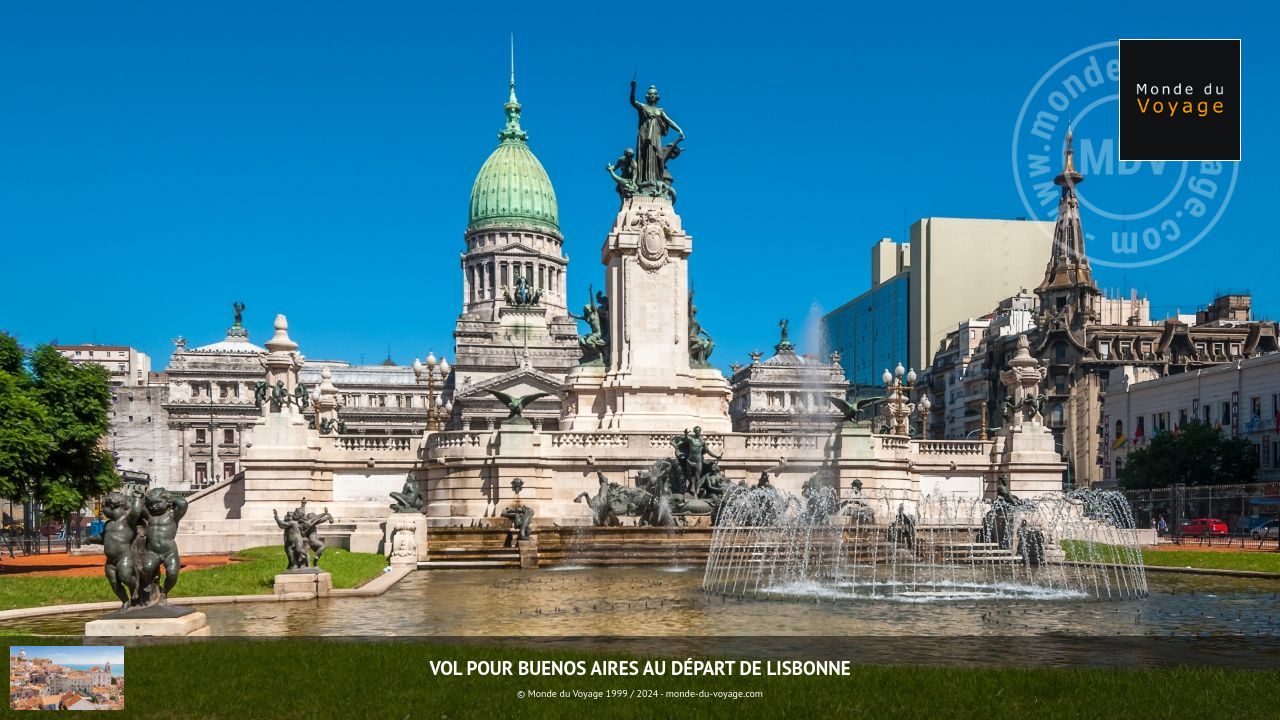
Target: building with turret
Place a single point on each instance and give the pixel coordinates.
(514, 333)
(1081, 335)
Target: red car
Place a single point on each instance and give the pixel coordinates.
(1204, 526)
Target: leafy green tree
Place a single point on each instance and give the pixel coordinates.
(25, 443)
(78, 401)
(53, 418)
(1196, 455)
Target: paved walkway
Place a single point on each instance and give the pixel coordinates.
(63, 564)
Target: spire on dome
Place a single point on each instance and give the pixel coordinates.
(513, 132)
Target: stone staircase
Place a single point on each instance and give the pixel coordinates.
(464, 548)
(469, 548)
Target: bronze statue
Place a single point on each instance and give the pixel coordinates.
(1002, 490)
(650, 175)
(602, 512)
(162, 511)
(123, 514)
(516, 405)
(623, 173)
(595, 344)
(850, 412)
(300, 535)
(238, 307)
(408, 499)
(523, 295)
(784, 324)
(700, 343)
(139, 541)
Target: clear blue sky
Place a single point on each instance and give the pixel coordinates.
(75, 654)
(161, 160)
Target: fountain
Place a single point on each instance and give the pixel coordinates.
(938, 546)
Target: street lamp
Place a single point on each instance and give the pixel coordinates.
(433, 370)
(925, 405)
(898, 393)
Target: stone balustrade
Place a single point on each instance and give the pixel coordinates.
(953, 447)
(378, 443)
(587, 439)
(783, 442)
(895, 442)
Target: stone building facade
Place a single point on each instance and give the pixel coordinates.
(1081, 336)
(787, 393)
(514, 333)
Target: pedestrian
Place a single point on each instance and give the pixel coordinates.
(1162, 527)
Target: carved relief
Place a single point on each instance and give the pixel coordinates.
(654, 232)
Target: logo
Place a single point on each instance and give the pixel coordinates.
(1135, 214)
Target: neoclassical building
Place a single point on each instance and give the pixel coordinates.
(513, 333)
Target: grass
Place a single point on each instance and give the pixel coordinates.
(1216, 560)
(242, 679)
(251, 575)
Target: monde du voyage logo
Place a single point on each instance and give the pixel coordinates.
(1158, 175)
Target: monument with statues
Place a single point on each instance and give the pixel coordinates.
(634, 436)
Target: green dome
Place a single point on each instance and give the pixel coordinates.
(512, 190)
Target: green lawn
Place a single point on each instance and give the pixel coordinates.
(243, 679)
(1256, 561)
(250, 576)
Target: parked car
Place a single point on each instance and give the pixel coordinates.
(1266, 530)
(1204, 526)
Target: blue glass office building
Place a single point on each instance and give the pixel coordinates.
(870, 331)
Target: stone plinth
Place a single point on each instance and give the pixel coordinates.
(648, 383)
(528, 553)
(311, 581)
(190, 623)
(368, 537)
(406, 538)
(1031, 460)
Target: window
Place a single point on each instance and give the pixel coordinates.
(228, 469)
(1055, 415)
(228, 436)
(1225, 417)
(1104, 350)
(202, 473)
(1060, 352)
(1200, 349)
(200, 435)
(1206, 413)
(1182, 417)
(1124, 347)
(1235, 349)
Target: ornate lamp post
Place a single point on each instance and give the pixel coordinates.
(433, 371)
(897, 408)
(925, 405)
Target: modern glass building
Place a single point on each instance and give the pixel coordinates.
(870, 331)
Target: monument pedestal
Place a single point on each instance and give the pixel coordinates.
(312, 581)
(1032, 461)
(649, 383)
(149, 622)
(406, 538)
(528, 553)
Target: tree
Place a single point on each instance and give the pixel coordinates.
(53, 417)
(1195, 455)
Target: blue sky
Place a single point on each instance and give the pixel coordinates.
(74, 654)
(161, 160)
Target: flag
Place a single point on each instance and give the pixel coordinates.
(1119, 443)
(1254, 422)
